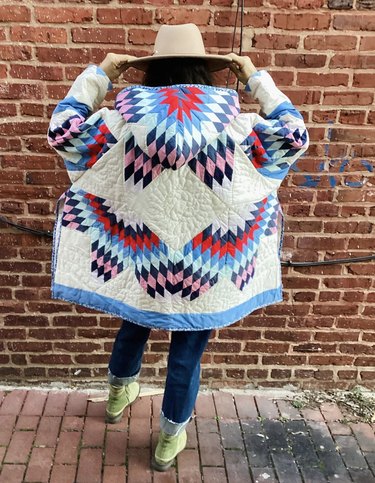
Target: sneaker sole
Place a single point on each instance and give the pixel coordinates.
(109, 419)
(161, 467)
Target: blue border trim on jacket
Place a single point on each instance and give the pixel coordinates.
(157, 320)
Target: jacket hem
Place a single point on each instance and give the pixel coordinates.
(159, 320)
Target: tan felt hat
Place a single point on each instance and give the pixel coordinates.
(183, 40)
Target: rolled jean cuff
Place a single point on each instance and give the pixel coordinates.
(170, 427)
(121, 381)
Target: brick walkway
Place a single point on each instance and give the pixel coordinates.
(60, 437)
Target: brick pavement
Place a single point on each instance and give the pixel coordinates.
(60, 437)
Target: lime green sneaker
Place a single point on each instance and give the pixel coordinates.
(119, 398)
(167, 449)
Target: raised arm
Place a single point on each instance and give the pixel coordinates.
(279, 137)
(77, 130)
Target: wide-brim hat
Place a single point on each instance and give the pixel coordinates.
(181, 41)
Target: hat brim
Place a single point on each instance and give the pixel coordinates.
(214, 62)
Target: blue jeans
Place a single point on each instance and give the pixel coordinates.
(183, 373)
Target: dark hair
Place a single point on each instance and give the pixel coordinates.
(166, 72)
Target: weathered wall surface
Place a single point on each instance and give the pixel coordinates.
(321, 54)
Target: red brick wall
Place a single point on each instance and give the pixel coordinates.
(320, 53)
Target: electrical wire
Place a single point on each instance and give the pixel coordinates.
(241, 37)
(240, 4)
(27, 229)
(284, 263)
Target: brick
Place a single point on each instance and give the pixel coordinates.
(19, 447)
(76, 405)
(14, 13)
(353, 21)
(339, 428)
(114, 474)
(139, 433)
(20, 91)
(362, 80)
(331, 412)
(93, 433)
(63, 55)
(218, 39)
(32, 109)
(352, 117)
(38, 73)
(59, 15)
(189, 465)
(210, 449)
(139, 465)
(173, 16)
(224, 403)
(328, 80)
(340, 4)
(38, 34)
(207, 425)
(63, 474)
(367, 43)
(352, 61)
(96, 409)
(68, 448)
(266, 407)
(350, 452)
(214, 475)
(7, 423)
(98, 35)
(115, 452)
(348, 98)
(301, 21)
(48, 431)
(275, 41)
(204, 406)
(141, 36)
(246, 406)
(300, 60)
(364, 435)
(72, 423)
(309, 4)
(138, 16)
(27, 423)
(287, 410)
(12, 403)
(40, 464)
(231, 435)
(90, 466)
(287, 335)
(224, 18)
(49, 358)
(330, 42)
(8, 110)
(365, 4)
(74, 320)
(34, 403)
(12, 473)
(236, 465)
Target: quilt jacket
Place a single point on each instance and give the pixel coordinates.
(172, 219)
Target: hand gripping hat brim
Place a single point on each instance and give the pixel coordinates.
(176, 41)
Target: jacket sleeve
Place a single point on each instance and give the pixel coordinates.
(278, 137)
(76, 131)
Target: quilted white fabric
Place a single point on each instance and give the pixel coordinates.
(172, 220)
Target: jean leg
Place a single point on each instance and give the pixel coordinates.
(183, 378)
(126, 358)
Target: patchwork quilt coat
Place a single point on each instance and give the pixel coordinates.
(172, 219)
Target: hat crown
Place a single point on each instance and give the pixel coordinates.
(184, 39)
